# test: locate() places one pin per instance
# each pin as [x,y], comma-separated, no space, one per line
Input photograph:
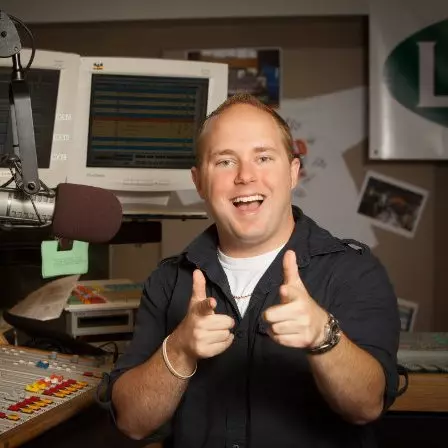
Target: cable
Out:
[28,31]
[115,355]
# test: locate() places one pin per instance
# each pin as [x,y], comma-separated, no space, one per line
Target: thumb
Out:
[290,269]
[292,283]
[199,293]
[199,300]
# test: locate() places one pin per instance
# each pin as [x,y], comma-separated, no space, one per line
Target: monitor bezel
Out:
[137,179]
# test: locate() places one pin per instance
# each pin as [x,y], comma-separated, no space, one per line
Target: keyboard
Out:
[424,352]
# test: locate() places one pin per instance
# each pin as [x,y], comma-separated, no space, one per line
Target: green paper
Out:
[57,262]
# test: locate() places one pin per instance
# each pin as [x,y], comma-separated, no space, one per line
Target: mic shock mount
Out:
[35,220]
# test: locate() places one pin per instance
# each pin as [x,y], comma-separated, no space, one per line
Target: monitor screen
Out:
[145,121]
[136,122]
[52,83]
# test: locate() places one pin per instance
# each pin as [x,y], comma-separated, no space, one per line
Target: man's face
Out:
[246,179]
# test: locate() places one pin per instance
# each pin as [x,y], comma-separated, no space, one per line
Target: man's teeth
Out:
[255,197]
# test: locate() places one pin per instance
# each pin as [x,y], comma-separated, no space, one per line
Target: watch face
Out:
[327,332]
[332,336]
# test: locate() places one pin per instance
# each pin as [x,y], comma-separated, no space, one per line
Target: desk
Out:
[427,392]
[93,427]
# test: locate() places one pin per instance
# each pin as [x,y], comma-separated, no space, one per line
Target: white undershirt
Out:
[243,274]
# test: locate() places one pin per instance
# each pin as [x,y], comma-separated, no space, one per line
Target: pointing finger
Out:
[288,293]
[206,306]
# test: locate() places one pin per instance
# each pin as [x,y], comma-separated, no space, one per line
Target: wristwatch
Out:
[332,337]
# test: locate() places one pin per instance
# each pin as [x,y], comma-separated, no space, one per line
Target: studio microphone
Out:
[75,212]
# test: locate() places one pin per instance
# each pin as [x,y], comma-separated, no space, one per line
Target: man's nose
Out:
[246,173]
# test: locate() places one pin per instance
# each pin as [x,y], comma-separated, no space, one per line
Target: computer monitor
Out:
[52,80]
[137,119]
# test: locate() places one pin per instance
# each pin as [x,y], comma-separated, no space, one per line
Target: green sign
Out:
[416,73]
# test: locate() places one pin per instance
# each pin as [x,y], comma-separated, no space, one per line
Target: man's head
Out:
[244,99]
[245,174]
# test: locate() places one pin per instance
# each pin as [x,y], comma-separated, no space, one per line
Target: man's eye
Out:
[224,163]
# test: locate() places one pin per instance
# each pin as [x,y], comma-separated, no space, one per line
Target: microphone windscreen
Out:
[86,213]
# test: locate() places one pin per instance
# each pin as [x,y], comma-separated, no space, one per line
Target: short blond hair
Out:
[250,100]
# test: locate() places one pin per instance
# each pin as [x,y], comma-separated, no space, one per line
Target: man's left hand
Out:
[298,321]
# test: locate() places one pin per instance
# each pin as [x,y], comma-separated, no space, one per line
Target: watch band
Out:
[332,337]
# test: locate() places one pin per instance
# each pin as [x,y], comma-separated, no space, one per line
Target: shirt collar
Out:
[307,240]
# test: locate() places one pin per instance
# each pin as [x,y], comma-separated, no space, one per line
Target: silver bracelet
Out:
[170,367]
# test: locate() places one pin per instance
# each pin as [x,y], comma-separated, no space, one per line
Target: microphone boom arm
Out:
[20,105]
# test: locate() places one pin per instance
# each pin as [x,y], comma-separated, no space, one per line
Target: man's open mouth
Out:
[248,203]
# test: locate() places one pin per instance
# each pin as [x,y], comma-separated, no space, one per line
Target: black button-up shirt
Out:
[257,393]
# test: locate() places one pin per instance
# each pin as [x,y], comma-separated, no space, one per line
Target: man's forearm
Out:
[147,396]
[350,380]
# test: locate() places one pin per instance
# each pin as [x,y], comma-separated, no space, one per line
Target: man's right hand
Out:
[202,333]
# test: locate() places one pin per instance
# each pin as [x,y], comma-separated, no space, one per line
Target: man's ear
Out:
[295,169]
[196,177]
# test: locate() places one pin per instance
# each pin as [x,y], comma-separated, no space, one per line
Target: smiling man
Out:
[266,331]
[245,175]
